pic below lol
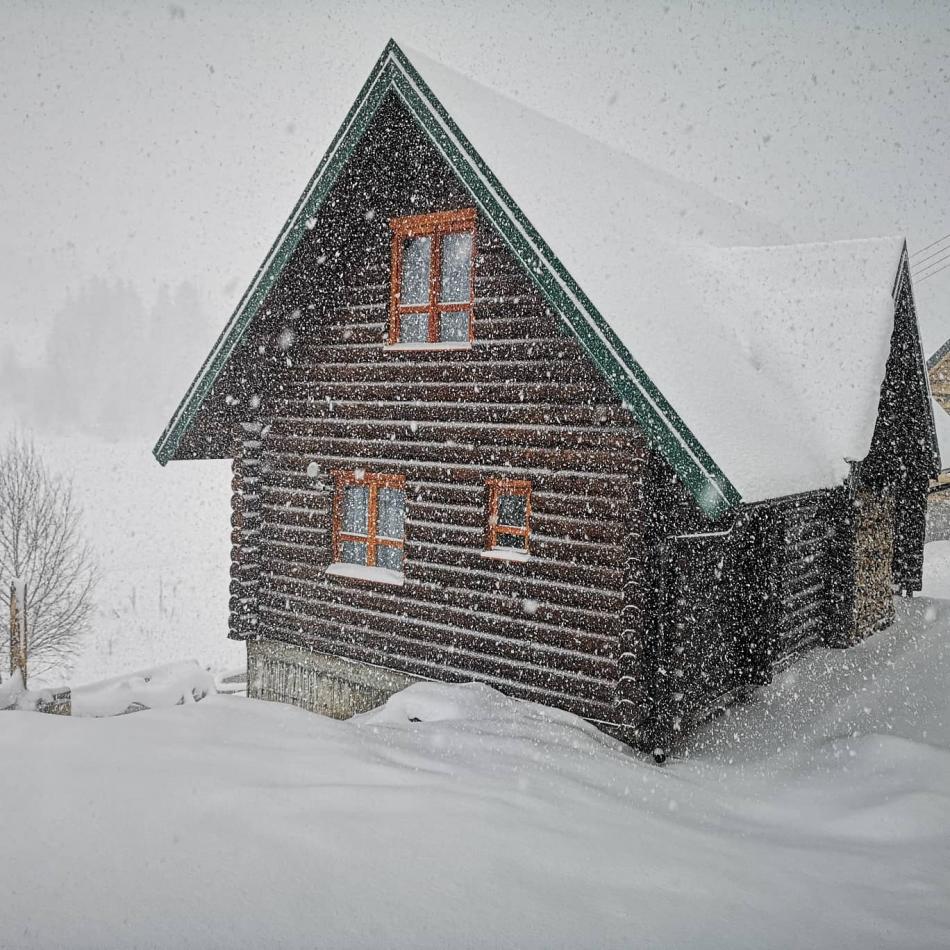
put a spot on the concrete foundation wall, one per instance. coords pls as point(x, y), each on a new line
point(329, 685)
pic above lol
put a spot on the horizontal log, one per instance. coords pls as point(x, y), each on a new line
point(244, 535)
point(541, 546)
point(456, 652)
point(330, 639)
point(290, 471)
point(419, 553)
point(547, 647)
point(431, 369)
point(462, 592)
point(284, 451)
point(569, 511)
point(547, 393)
point(245, 519)
point(248, 573)
point(310, 409)
point(627, 442)
point(542, 591)
point(245, 501)
point(348, 352)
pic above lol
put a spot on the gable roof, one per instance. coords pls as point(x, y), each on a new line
point(728, 334)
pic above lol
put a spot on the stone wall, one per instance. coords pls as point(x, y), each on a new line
point(331, 686)
point(873, 553)
point(940, 382)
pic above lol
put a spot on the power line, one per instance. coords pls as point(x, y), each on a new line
point(939, 250)
point(920, 270)
point(934, 242)
point(933, 273)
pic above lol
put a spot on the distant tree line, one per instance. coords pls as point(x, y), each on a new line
point(112, 366)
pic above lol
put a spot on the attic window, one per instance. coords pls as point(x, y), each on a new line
point(369, 517)
point(509, 518)
point(432, 287)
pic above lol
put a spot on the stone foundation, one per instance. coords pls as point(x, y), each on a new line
point(329, 685)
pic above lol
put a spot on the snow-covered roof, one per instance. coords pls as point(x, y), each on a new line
point(780, 356)
point(773, 356)
point(754, 366)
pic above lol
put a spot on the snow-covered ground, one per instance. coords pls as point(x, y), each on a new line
point(937, 569)
point(816, 816)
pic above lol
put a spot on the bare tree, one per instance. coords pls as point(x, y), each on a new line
point(41, 543)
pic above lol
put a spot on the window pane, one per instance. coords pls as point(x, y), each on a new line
point(414, 281)
point(509, 541)
point(389, 557)
point(390, 520)
point(512, 510)
point(356, 509)
point(453, 327)
point(353, 552)
point(456, 267)
point(413, 327)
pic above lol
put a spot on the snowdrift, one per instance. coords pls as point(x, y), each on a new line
point(454, 817)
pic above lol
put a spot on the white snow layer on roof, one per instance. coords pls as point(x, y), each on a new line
point(773, 356)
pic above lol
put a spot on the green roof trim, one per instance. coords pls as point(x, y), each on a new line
point(393, 72)
point(901, 281)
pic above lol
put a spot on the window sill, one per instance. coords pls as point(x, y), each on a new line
point(413, 347)
point(506, 554)
point(362, 572)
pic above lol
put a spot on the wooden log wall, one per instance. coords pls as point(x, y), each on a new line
point(245, 530)
point(523, 402)
point(802, 542)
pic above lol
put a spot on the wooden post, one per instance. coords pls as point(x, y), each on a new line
point(18, 628)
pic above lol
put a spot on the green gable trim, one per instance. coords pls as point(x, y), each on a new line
point(393, 72)
point(319, 186)
point(901, 282)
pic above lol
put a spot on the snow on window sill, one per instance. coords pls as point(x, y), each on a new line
point(411, 347)
point(362, 572)
point(506, 554)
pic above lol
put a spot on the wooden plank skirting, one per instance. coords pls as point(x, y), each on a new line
point(332, 686)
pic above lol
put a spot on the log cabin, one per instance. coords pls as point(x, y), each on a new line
point(506, 404)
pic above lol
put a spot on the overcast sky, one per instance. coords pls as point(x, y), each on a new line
point(159, 142)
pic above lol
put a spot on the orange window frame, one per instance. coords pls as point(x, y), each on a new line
point(373, 481)
point(506, 486)
point(436, 226)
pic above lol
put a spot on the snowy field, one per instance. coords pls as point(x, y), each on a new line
point(816, 816)
point(161, 537)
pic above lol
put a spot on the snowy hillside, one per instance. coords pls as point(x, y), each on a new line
point(815, 817)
